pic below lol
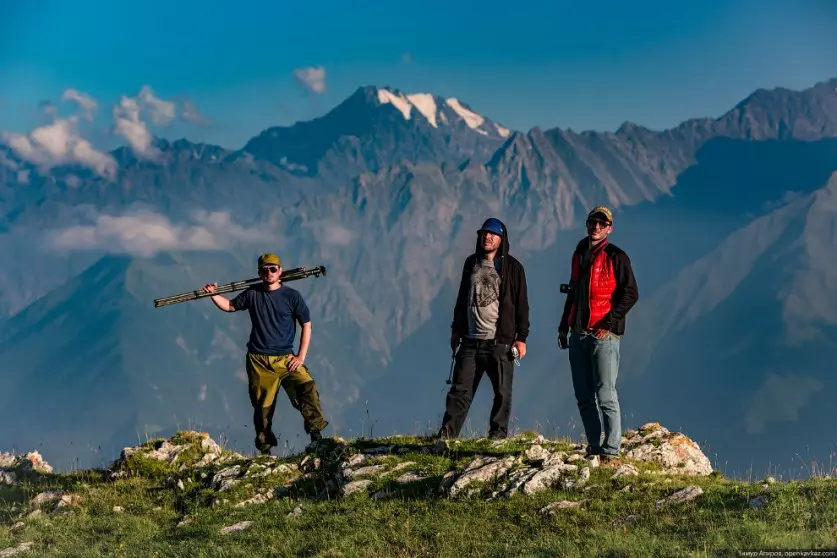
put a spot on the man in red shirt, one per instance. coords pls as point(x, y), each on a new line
point(602, 290)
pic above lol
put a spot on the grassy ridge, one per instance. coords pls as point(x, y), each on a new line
point(153, 508)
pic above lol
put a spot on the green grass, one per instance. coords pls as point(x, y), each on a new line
point(617, 518)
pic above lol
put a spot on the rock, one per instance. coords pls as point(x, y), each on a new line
point(7, 477)
point(240, 526)
point(380, 450)
point(517, 480)
point(31, 462)
point(625, 470)
point(167, 452)
point(684, 495)
point(481, 470)
point(260, 498)
point(355, 460)
point(569, 483)
point(15, 550)
point(356, 486)
point(368, 470)
point(409, 477)
point(7, 460)
point(401, 466)
point(226, 478)
point(46, 496)
point(118, 509)
point(296, 513)
point(17, 525)
point(66, 501)
point(675, 452)
point(546, 477)
point(536, 453)
point(560, 505)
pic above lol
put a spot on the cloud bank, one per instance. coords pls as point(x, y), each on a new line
point(145, 233)
point(60, 142)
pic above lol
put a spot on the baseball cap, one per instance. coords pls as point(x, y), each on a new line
point(267, 259)
point(601, 210)
point(493, 225)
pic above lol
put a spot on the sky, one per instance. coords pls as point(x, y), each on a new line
point(231, 66)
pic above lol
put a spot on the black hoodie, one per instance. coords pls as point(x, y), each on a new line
point(513, 320)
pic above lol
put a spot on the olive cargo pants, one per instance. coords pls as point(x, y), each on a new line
point(265, 374)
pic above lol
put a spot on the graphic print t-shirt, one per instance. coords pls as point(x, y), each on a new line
point(274, 315)
point(484, 300)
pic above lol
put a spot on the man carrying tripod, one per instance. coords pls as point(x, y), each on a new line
point(274, 311)
point(491, 319)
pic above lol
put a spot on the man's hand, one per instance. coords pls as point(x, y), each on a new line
point(295, 362)
point(209, 287)
point(454, 341)
point(563, 342)
point(521, 348)
point(600, 333)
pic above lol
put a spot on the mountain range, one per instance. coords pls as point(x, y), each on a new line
point(728, 221)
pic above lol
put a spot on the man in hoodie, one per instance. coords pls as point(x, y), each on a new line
point(602, 291)
point(490, 317)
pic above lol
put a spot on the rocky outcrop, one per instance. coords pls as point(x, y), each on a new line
point(196, 468)
point(674, 452)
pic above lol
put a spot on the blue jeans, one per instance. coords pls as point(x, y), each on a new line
point(595, 365)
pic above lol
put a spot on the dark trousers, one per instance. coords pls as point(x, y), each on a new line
point(473, 359)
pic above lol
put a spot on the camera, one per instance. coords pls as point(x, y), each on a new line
point(566, 288)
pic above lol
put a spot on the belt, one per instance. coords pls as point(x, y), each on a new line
point(482, 342)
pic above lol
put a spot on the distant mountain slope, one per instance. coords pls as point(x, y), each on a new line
point(748, 331)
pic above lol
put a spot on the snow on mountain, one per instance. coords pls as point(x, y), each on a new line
point(436, 109)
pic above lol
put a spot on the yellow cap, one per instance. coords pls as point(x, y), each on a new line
point(602, 210)
point(266, 259)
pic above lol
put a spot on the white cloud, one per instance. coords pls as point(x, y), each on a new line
point(335, 235)
point(144, 233)
point(312, 78)
point(129, 125)
point(57, 144)
point(128, 122)
point(779, 399)
point(162, 112)
point(83, 99)
point(190, 113)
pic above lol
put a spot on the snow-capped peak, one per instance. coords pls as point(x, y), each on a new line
point(426, 104)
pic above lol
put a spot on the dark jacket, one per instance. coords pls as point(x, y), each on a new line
point(604, 288)
point(513, 320)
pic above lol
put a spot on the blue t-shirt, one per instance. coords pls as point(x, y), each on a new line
point(273, 315)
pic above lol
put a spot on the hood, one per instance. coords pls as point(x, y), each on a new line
point(502, 252)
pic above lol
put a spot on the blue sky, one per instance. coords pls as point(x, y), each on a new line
point(579, 65)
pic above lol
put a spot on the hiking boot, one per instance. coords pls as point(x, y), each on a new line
point(610, 460)
point(316, 436)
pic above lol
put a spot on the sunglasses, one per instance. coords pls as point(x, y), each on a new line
point(593, 222)
point(271, 269)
